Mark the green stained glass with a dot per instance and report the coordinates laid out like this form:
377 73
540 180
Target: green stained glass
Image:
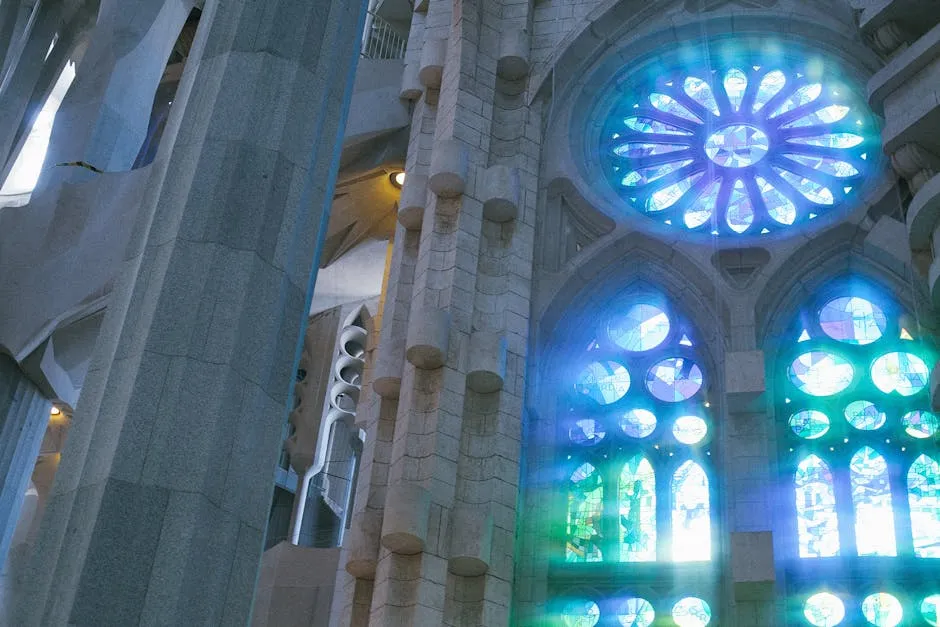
691 518
809 424
635 612
637 498
871 493
882 610
824 610
581 614
853 320
920 424
689 429
923 493
930 609
691 612
820 373
603 382
641 328
585 508
904 373
817 522
864 415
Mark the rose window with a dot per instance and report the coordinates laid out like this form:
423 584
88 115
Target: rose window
738 151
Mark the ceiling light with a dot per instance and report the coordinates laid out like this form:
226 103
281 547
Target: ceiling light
398 179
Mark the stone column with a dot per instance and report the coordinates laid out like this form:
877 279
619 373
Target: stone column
24 412
158 511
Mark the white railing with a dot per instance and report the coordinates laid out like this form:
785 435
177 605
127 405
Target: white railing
380 40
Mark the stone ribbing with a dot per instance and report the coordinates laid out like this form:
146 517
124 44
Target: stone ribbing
158 512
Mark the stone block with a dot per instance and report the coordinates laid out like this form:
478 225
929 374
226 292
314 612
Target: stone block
513 62
450 163
411 87
752 565
744 376
428 337
433 54
500 193
471 540
405 526
364 535
411 203
486 361
387 375
887 243
923 214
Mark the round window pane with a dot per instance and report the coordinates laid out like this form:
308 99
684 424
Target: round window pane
636 612
604 382
581 614
642 328
586 432
675 379
638 423
809 424
853 320
864 415
819 373
904 373
689 429
930 609
824 610
882 609
691 612
920 424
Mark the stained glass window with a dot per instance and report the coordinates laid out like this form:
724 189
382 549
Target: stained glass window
923 488
809 424
816 509
674 379
746 149
824 610
691 612
586 432
820 373
689 429
637 511
638 423
903 373
585 508
882 610
603 382
930 609
635 612
691 526
642 327
581 614
852 320
871 493
920 424
864 415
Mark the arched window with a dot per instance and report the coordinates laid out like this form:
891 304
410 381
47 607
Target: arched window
860 454
635 444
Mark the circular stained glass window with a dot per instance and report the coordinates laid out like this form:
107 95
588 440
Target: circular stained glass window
745 149
642 328
604 382
809 424
638 423
853 320
586 432
920 424
819 373
864 415
882 609
930 609
581 614
675 379
904 373
636 612
691 612
689 429
824 610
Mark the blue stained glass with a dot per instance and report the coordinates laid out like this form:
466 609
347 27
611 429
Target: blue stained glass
779 207
603 382
930 609
637 500
585 508
816 509
667 104
802 96
920 424
769 87
675 379
646 149
904 373
670 195
871 493
824 610
813 191
735 86
649 125
809 424
830 140
737 146
581 614
636 613
923 492
864 415
882 610
691 518
645 176
638 423
740 214
826 165
826 115
701 92
704 206
586 432
641 328
820 373
691 612
689 429
853 320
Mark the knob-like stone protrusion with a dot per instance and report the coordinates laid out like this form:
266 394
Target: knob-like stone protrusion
513 61
386 379
411 88
923 214
471 540
414 195
486 362
450 163
432 62
364 544
405 525
500 193
428 333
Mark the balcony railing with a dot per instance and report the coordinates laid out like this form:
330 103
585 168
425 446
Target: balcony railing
380 40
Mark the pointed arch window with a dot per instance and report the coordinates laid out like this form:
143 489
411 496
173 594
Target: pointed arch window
636 440
860 452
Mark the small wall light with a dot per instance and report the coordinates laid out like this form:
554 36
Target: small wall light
397 179
55 411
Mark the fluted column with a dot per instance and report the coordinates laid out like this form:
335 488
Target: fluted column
158 512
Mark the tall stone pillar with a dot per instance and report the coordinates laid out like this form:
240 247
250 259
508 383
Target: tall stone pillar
158 511
24 412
